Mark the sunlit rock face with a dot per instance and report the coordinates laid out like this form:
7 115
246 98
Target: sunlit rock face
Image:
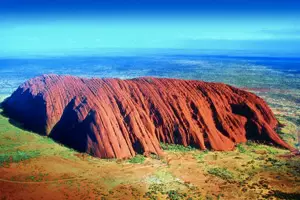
114 118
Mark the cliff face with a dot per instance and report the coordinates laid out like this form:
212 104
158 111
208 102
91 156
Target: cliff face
113 118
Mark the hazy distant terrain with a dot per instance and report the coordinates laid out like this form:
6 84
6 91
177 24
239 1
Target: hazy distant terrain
260 72
275 79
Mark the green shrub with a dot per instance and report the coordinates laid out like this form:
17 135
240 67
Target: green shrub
137 159
175 195
17 156
257 146
200 156
221 172
241 148
176 147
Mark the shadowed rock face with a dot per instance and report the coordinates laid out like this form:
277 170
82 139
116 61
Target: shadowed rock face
113 118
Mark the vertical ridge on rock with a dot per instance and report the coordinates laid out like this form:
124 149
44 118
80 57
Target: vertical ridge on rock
114 118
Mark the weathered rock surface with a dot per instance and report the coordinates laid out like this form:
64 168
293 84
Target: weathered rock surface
114 118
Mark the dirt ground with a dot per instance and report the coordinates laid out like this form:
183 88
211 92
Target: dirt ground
184 174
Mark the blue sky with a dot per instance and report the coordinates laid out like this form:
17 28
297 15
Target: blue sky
64 27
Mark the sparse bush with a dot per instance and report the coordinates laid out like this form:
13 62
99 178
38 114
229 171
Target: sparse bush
200 156
241 148
221 172
175 195
257 146
154 156
137 159
17 156
176 147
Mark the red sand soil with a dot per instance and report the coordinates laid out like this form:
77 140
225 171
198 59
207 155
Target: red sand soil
114 118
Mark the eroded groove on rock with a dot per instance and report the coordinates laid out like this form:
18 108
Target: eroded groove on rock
114 118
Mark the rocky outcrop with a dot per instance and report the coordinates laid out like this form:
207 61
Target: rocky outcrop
114 118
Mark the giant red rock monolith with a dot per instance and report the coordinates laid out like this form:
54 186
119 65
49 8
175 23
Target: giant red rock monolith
114 118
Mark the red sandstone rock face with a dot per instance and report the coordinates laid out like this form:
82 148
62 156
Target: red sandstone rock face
113 118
